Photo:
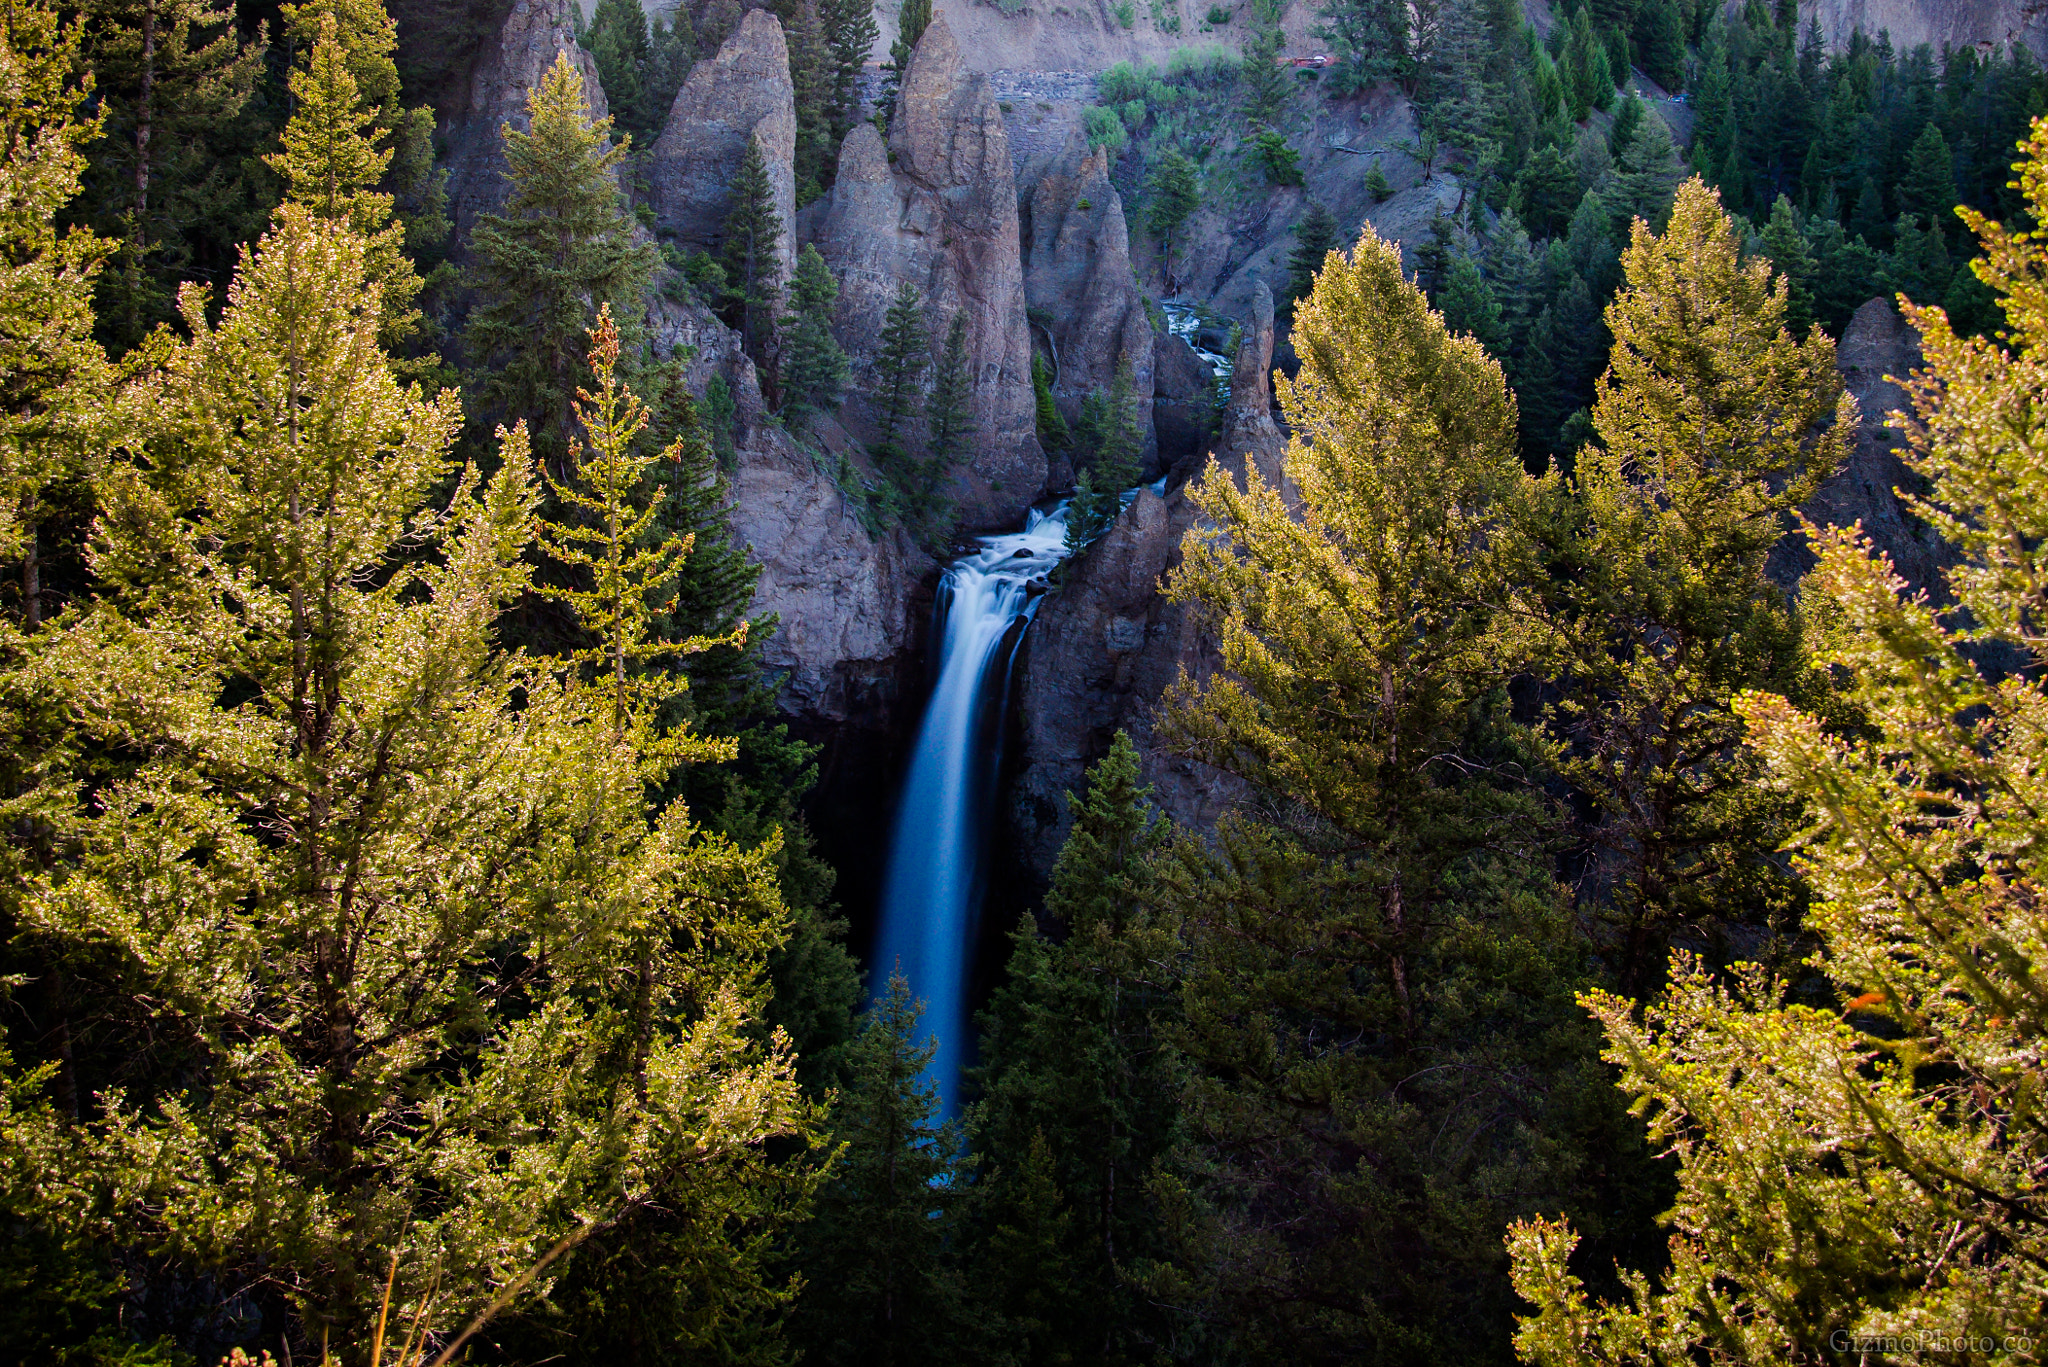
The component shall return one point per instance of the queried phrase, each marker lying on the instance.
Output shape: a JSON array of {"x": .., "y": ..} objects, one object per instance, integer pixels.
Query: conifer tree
[
  {"x": 331, "y": 164},
  {"x": 814, "y": 369},
  {"x": 1314, "y": 237},
  {"x": 1929, "y": 186},
  {"x": 52, "y": 373},
  {"x": 1098, "y": 497},
  {"x": 1859, "y": 1165},
  {"x": 851, "y": 30},
  {"x": 1264, "y": 87},
  {"x": 1785, "y": 244},
  {"x": 900, "y": 366},
  {"x": 618, "y": 43},
  {"x": 753, "y": 269},
  {"x": 1173, "y": 191},
  {"x": 1371, "y": 39},
  {"x": 949, "y": 421},
  {"x": 879, "y": 1251},
  {"x": 562, "y": 248},
  {"x": 173, "y": 78},
  {"x": 1714, "y": 423},
  {"x": 433, "y": 933},
  {"x": 1328, "y": 959},
  {"x": 814, "y": 71}
]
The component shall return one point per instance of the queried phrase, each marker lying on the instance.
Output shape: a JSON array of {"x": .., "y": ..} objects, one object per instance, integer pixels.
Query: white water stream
[{"x": 931, "y": 898}]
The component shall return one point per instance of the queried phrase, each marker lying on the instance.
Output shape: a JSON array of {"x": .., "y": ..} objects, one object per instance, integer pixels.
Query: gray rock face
[
  {"x": 1078, "y": 279},
  {"x": 1183, "y": 399},
  {"x": 938, "y": 208},
  {"x": 1877, "y": 343},
  {"x": 1107, "y": 644},
  {"x": 533, "y": 33},
  {"x": 843, "y": 596},
  {"x": 744, "y": 92},
  {"x": 1940, "y": 23}
]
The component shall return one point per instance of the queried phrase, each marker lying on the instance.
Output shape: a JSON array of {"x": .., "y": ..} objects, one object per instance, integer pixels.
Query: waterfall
[{"x": 931, "y": 900}]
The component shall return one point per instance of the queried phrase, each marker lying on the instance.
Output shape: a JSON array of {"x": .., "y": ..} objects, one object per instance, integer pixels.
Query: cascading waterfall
[{"x": 931, "y": 897}]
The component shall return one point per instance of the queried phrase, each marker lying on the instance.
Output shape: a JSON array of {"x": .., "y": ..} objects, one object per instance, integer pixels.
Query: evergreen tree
[
  {"x": 1173, "y": 191},
  {"x": 1370, "y": 988},
  {"x": 1079, "y": 1087},
  {"x": 1098, "y": 498},
  {"x": 1050, "y": 425},
  {"x": 1902, "y": 1142},
  {"x": 879, "y": 1252},
  {"x": 753, "y": 270},
  {"x": 814, "y": 369},
  {"x": 1918, "y": 266},
  {"x": 1928, "y": 188},
  {"x": 906, "y": 351},
  {"x": 814, "y": 72},
  {"x": 330, "y": 164},
  {"x": 53, "y": 378},
  {"x": 949, "y": 421},
  {"x": 618, "y": 43},
  {"x": 851, "y": 31},
  {"x": 1372, "y": 41},
  {"x": 1661, "y": 44},
  {"x": 173, "y": 79},
  {"x": 1265, "y": 88},
  {"x": 1469, "y": 307},
  {"x": 1785, "y": 245},
  {"x": 1314, "y": 238},
  {"x": 1714, "y": 423},
  {"x": 1546, "y": 192},
  {"x": 433, "y": 930},
  {"x": 562, "y": 248}
]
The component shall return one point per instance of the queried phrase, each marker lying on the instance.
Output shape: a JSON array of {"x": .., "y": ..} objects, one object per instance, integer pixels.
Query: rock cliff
[
  {"x": 532, "y": 34},
  {"x": 742, "y": 93},
  {"x": 1107, "y": 644},
  {"x": 1078, "y": 282},
  {"x": 843, "y": 596},
  {"x": 1940, "y": 23},
  {"x": 938, "y": 208}
]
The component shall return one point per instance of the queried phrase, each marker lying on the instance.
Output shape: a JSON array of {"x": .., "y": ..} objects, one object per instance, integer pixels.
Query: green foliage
[
  {"x": 1314, "y": 239},
  {"x": 1714, "y": 423},
  {"x": 1105, "y": 128},
  {"x": 1265, "y": 89},
  {"x": 1125, "y": 12},
  {"x": 172, "y": 180},
  {"x": 912, "y": 18},
  {"x": 1863, "y": 1166},
  {"x": 879, "y": 1252},
  {"x": 814, "y": 369},
  {"x": 1080, "y": 1090},
  {"x": 1279, "y": 163},
  {"x": 814, "y": 72},
  {"x": 1051, "y": 427},
  {"x": 533, "y": 1002},
  {"x": 562, "y": 248},
  {"x": 1098, "y": 497},
  {"x": 753, "y": 270},
  {"x": 1371, "y": 40},
  {"x": 1376, "y": 186}
]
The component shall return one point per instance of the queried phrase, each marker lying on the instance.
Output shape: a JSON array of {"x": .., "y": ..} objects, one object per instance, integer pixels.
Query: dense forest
[{"x": 413, "y": 944}]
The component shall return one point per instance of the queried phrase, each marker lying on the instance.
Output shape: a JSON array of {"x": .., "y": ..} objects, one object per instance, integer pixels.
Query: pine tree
[
  {"x": 753, "y": 270},
  {"x": 430, "y": 880},
  {"x": 851, "y": 30},
  {"x": 1469, "y": 307},
  {"x": 1079, "y": 1086},
  {"x": 1714, "y": 424},
  {"x": 1321, "y": 1016},
  {"x": 1928, "y": 188},
  {"x": 1903, "y": 1144},
  {"x": 949, "y": 421},
  {"x": 1918, "y": 266},
  {"x": 879, "y": 1253},
  {"x": 814, "y": 369},
  {"x": 562, "y": 248},
  {"x": 172, "y": 78},
  {"x": 1372, "y": 40},
  {"x": 814, "y": 72},
  {"x": 1264, "y": 87},
  {"x": 900, "y": 366},
  {"x": 618, "y": 43},
  {"x": 1173, "y": 191},
  {"x": 1789, "y": 255},
  {"x": 1661, "y": 35},
  {"x": 53, "y": 378},
  {"x": 1099, "y": 497},
  {"x": 330, "y": 163},
  {"x": 1050, "y": 425},
  {"x": 1314, "y": 238}
]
